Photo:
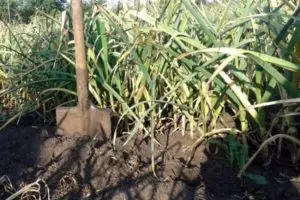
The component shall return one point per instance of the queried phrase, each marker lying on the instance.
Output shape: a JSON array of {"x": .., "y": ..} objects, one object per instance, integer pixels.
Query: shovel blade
[{"x": 70, "y": 123}]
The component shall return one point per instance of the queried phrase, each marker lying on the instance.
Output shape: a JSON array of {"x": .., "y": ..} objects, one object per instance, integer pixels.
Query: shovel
[{"x": 85, "y": 119}]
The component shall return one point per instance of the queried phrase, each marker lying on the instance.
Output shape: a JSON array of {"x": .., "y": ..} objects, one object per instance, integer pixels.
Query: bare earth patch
[{"x": 82, "y": 169}]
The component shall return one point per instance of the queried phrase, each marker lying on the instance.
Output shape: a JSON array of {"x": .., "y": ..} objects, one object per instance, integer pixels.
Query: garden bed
[{"x": 79, "y": 169}]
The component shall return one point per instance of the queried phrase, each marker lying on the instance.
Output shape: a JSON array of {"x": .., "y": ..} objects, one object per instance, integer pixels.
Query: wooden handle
[{"x": 80, "y": 55}]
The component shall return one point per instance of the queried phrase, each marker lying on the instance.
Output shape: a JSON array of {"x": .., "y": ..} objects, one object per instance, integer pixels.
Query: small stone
[{"x": 44, "y": 133}]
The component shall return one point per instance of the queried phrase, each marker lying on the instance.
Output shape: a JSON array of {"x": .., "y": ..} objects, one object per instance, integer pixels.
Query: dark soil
[{"x": 82, "y": 169}]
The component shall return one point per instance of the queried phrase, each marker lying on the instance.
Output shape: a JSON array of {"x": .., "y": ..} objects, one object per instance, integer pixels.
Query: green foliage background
[{"x": 22, "y": 10}]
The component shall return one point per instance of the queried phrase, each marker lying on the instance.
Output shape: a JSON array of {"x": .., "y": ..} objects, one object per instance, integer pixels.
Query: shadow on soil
[{"x": 82, "y": 169}]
